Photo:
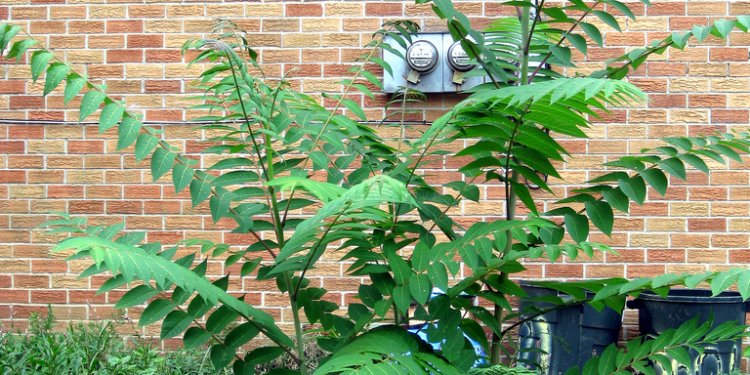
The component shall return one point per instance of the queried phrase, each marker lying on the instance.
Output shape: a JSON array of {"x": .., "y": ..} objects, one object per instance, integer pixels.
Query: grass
[{"x": 92, "y": 348}]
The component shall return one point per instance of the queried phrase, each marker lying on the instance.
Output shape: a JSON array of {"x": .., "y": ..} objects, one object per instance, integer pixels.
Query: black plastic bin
[
  {"x": 559, "y": 340},
  {"x": 657, "y": 314}
]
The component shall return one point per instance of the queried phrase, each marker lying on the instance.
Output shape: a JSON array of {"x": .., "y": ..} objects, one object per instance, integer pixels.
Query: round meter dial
[
  {"x": 422, "y": 56},
  {"x": 458, "y": 59}
]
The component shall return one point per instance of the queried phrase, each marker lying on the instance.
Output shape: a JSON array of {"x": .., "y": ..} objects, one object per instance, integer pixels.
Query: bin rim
[{"x": 692, "y": 296}]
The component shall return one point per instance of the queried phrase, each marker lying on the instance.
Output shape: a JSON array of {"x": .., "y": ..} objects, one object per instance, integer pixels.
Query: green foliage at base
[{"x": 92, "y": 349}]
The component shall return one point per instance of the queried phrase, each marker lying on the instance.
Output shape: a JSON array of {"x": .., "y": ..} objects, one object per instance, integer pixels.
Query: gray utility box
[{"x": 436, "y": 76}]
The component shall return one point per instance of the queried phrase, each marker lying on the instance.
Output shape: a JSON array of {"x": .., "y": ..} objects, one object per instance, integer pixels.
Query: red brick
[
  {"x": 671, "y": 68},
  {"x": 686, "y": 23},
  {"x": 103, "y": 192},
  {"x": 85, "y": 207},
  {"x": 106, "y": 42},
  {"x": 14, "y": 296},
  {"x": 163, "y": 86},
  {"x": 733, "y": 116},
  {"x": 666, "y": 256},
  {"x": 67, "y": 12},
  {"x": 146, "y": 11},
  {"x": 49, "y": 296},
  {"x": 47, "y": 27},
  {"x": 163, "y": 55},
  {"x": 22, "y": 12},
  {"x": 667, "y": 101},
  {"x": 12, "y": 87},
  {"x": 666, "y": 9},
  {"x": 64, "y": 191},
  {"x": 146, "y": 41},
  {"x": 142, "y": 191},
  {"x": 124, "y": 26},
  {"x": 162, "y": 207},
  {"x": 728, "y": 54},
  {"x": 26, "y": 132},
  {"x": 164, "y": 237},
  {"x": 304, "y": 10},
  {"x": 12, "y": 147},
  {"x": 164, "y": 115},
  {"x": 85, "y": 147},
  {"x": 707, "y": 225},
  {"x": 564, "y": 271},
  {"x": 384, "y": 9},
  {"x": 124, "y": 56},
  {"x": 707, "y": 100},
  {"x": 31, "y": 281},
  {"x": 124, "y": 207},
  {"x": 86, "y": 296},
  {"x": 26, "y": 102},
  {"x": 85, "y": 27},
  {"x": 12, "y": 177}
]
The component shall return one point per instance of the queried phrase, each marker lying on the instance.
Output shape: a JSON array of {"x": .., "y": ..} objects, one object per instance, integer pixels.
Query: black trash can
[
  {"x": 657, "y": 314},
  {"x": 556, "y": 341}
]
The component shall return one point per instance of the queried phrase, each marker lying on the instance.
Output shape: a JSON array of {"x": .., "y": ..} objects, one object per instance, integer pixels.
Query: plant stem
[
  {"x": 301, "y": 360},
  {"x": 563, "y": 37},
  {"x": 510, "y": 195}
]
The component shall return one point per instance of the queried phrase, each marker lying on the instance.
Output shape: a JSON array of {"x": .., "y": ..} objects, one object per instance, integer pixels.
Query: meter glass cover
[
  {"x": 422, "y": 56},
  {"x": 458, "y": 59}
]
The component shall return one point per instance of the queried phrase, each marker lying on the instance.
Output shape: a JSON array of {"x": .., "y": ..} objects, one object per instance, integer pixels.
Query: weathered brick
[
  {"x": 145, "y": 41},
  {"x": 304, "y": 10},
  {"x": 107, "y": 11},
  {"x": 146, "y": 11},
  {"x": 729, "y": 54},
  {"x": 264, "y": 10},
  {"x": 384, "y": 9},
  {"x": 12, "y": 176}
]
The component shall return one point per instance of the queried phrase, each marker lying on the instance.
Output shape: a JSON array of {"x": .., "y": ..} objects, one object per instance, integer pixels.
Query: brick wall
[{"x": 134, "y": 48}]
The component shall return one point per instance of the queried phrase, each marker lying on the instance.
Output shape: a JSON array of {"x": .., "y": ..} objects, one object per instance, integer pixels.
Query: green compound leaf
[
  {"x": 181, "y": 177},
  {"x": 577, "y": 226},
  {"x": 55, "y": 74},
  {"x": 161, "y": 162},
  {"x": 111, "y": 115},
  {"x": 144, "y": 145},
  {"x": 39, "y": 61},
  {"x": 175, "y": 323},
  {"x": 90, "y": 103},
  {"x": 128, "y": 131},
  {"x": 73, "y": 85},
  {"x": 136, "y": 296},
  {"x": 601, "y": 215},
  {"x": 155, "y": 311}
]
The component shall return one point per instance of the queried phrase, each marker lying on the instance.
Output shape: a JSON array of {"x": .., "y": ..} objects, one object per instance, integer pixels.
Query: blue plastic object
[{"x": 420, "y": 331}]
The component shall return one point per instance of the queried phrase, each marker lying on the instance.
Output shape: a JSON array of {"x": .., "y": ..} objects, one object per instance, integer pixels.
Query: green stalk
[
  {"x": 298, "y": 335},
  {"x": 510, "y": 195},
  {"x": 279, "y": 229},
  {"x": 524, "y": 56}
]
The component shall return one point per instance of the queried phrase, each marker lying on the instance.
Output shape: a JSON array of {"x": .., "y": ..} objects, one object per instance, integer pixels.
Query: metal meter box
[
  {"x": 457, "y": 61},
  {"x": 429, "y": 66},
  {"x": 428, "y": 81}
]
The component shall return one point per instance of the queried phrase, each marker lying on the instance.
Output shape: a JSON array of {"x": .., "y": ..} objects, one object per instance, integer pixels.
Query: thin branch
[{"x": 563, "y": 38}]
